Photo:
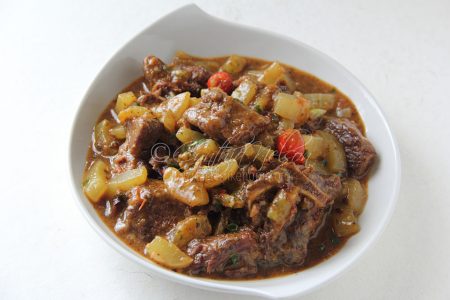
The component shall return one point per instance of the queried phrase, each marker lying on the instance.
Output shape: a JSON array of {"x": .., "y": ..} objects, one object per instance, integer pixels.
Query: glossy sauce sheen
[{"x": 324, "y": 244}]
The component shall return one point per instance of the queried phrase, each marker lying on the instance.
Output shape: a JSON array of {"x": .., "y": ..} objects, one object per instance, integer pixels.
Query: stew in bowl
[{"x": 229, "y": 167}]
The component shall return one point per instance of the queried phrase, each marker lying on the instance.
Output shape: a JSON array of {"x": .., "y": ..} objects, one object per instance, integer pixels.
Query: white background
[{"x": 51, "y": 51}]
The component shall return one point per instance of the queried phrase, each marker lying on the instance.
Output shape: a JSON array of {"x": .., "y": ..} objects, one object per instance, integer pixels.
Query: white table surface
[{"x": 50, "y": 51}]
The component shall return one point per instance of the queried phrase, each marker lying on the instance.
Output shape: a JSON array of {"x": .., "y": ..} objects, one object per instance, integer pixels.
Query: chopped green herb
[
  {"x": 232, "y": 227},
  {"x": 196, "y": 143},
  {"x": 217, "y": 206},
  {"x": 258, "y": 109},
  {"x": 190, "y": 146},
  {"x": 306, "y": 154},
  {"x": 275, "y": 118},
  {"x": 234, "y": 260},
  {"x": 173, "y": 164},
  {"x": 335, "y": 240},
  {"x": 322, "y": 247}
]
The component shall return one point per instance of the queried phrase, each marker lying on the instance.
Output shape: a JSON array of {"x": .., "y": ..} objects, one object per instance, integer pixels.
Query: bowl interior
[{"x": 195, "y": 32}]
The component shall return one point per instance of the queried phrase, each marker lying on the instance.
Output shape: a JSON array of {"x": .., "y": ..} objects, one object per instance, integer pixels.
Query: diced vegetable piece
[
  {"x": 95, "y": 182},
  {"x": 237, "y": 153},
  {"x": 124, "y": 100},
  {"x": 187, "y": 135},
  {"x": 193, "y": 227},
  {"x": 319, "y": 166},
  {"x": 254, "y": 73},
  {"x": 291, "y": 144},
  {"x": 185, "y": 190},
  {"x": 230, "y": 201},
  {"x": 179, "y": 74},
  {"x": 234, "y": 64},
  {"x": 291, "y": 107},
  {"x": 211, "y": 66},
  {"x": 336, "y": 159},
  {"x": 272, "y": 74},
  {"x": 356, "y": 195},
  {"x": 280, "y": 208},
  {"x": 194, "y": 101},
  {"x": 261, "y": 101},
  {"x": 316, "y": 113},
  {"x": 119, "y": 132},
  {"x": 262, "y": 154},
  {"x": 191, "y": 152},
  {"x": 344, "y": 221},
  {"x": 168, "y": 120},
  {"x": 289, "y": 82},
  {"x": 186, "y": 160},
  {"x": 125, "y": 181},
  {"x": 181, "y": 55},
  {"x": 322, "y": 101},
  {"x": 215, "y": 175},
  {"x": 206, "y": 147},
  {"x": 167, "y": 254},
  {"x": 103, "y": 138},
  {"x": 248, "y": 150},
  {"x": 245, "y": 92},
  {"x": 134, "y": 112},
  {"x": 315, "y": 146},
  {"x": 285, "y": 124},
  {"x": 222, "y": 80},
  {"x": 178, "y": 104},
  {"x": 345, "y": 112}
]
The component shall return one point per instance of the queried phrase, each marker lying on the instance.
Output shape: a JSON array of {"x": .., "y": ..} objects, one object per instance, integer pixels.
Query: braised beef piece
[
  {"x": 359, "y": 151},
  {"x": 114, "y": 206},
  {"x": 150, "y": 100},
  {"x": 161, "y": 159},
  {"x": 291, "y": 247},
  {"x": 234, "y": 254},
  {"x": 189, "y": 78},
  {"x": 310, "y": 196},
  {"x": 225, "y": 119},
  {"x": 151, "y": 211},
  {"x": 319, "y": 188},
  {"x": 154, "y": 69},
  {"x": 142, "y": 135},
  {"x": 166, "y": 80}
]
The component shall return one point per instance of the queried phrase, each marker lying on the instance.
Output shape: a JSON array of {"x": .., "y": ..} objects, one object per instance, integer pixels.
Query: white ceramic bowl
[{"x": 192, "y": 30}]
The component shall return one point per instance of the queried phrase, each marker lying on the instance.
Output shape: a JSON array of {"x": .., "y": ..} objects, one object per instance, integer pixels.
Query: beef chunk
[
  {"x": 151, "y": 211},
  {"x": 142, "y": 134},
  {"x": 189, "y": 78},
  {"x": 319, "y": 188},
  {"x": 154, "y": 69},
  {"x": 359, "y": 151},
  {"x": 310, "y": 196},
  {"x": 234, "y": 254},
  {"x": 174, "y": 79},
  {"x": 224, "y": 119},
  {"x": 292, "y": 246}
]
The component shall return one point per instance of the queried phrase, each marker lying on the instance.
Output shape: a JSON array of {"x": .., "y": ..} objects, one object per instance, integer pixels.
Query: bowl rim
[{"x": 223, "y": 285}]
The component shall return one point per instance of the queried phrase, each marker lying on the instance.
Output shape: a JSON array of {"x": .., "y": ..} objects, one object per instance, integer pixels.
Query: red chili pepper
[
  {"x": 222, "y": 80},
  {"x": 290, "y": 143}
]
